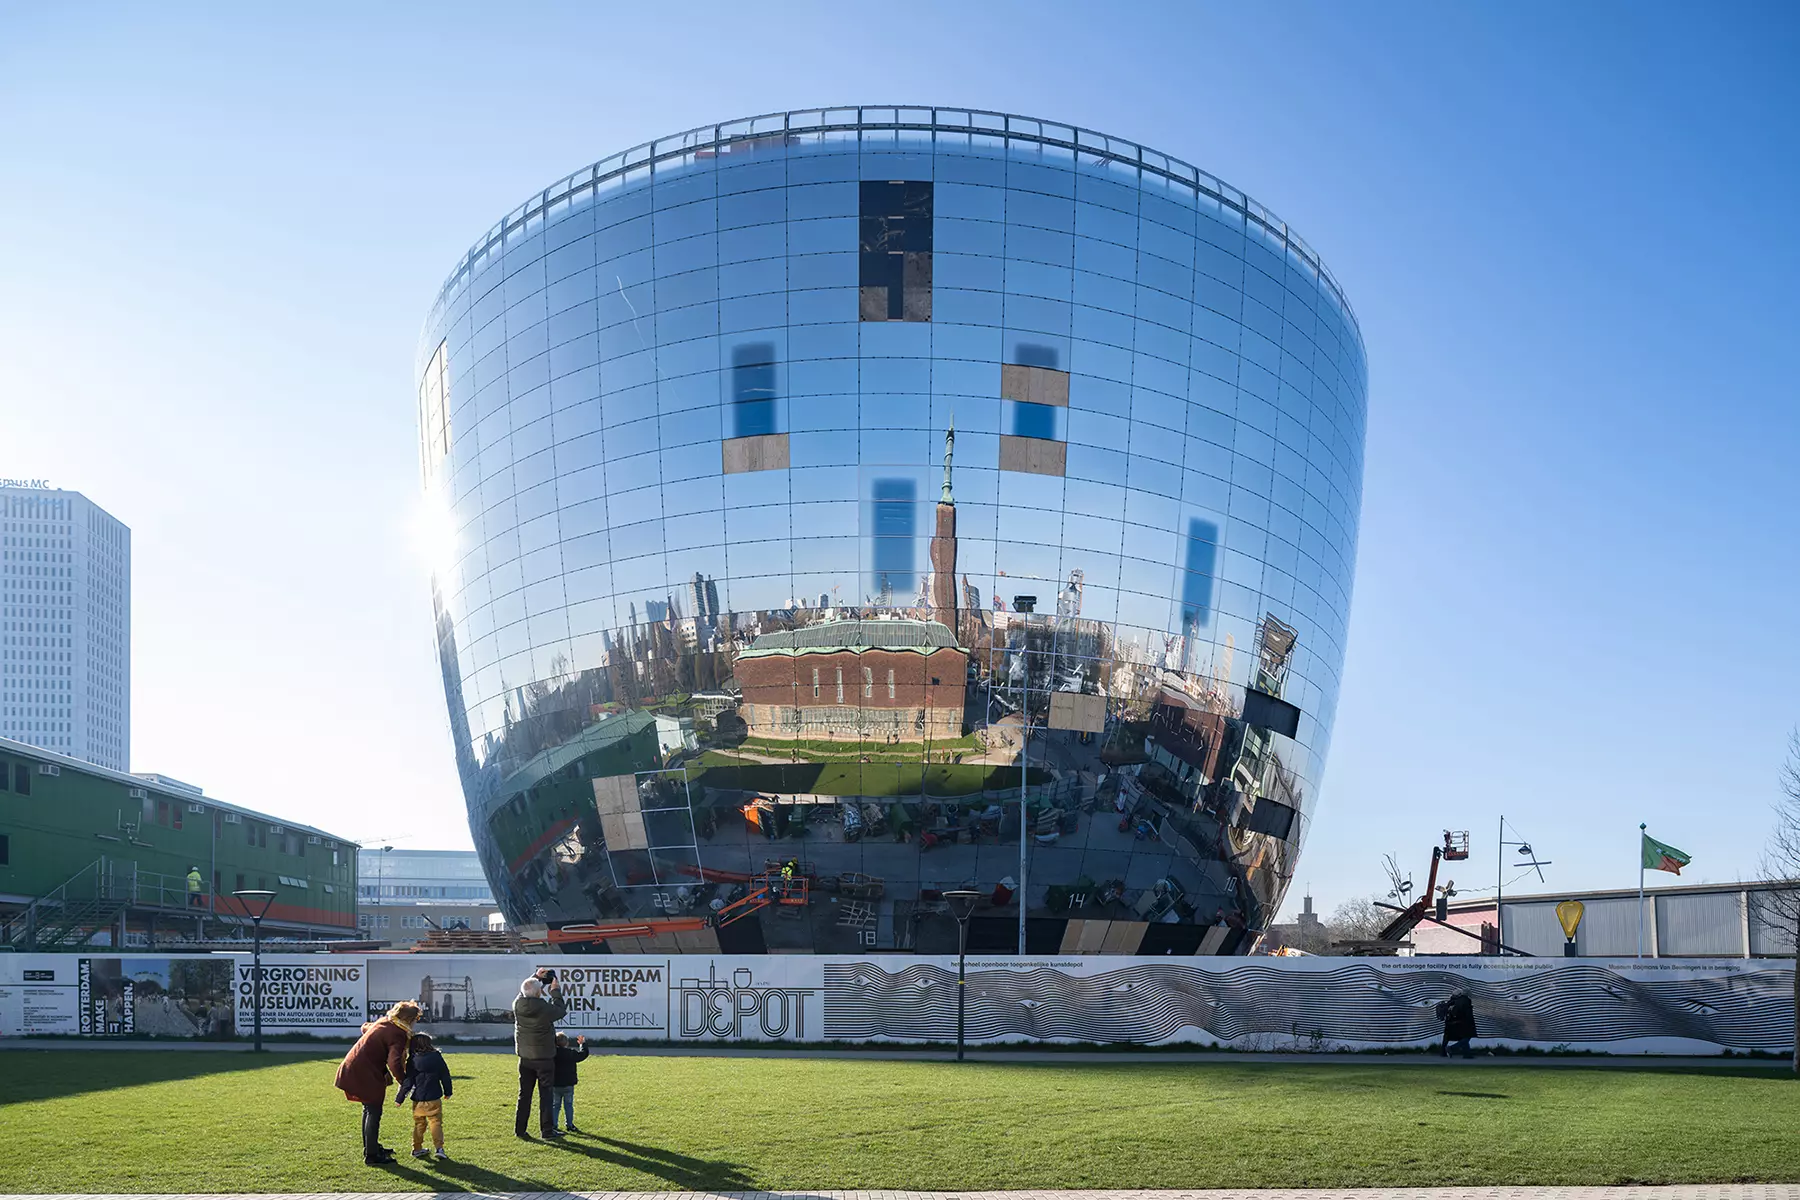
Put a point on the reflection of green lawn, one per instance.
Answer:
(123, 1121)
(830, 748)
(862, 779)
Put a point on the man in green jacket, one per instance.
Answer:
(534, 1040)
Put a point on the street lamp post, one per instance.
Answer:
(264, 898)
(1026, 605)
(1530, 855)
(962, 903)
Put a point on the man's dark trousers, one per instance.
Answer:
(541, 1072)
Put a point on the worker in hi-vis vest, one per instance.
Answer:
(194, 885)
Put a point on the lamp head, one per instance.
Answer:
(258, 897)
(962, 902)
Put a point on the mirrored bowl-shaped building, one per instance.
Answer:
(845, 508)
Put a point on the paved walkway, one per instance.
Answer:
(1728, 1191)
(1149, 1057)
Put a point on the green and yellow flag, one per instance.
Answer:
(1659, 857)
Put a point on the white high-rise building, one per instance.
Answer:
(65, 609)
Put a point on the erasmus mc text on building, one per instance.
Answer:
(810, 483)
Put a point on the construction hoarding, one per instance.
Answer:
(1606, 1005)
(106, 995)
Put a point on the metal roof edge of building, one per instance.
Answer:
(855, 635)
(27, 750)
(797, 651)
(1679, 889)
(64, 491)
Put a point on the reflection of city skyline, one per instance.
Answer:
(855, 663)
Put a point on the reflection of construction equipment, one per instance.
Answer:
(856, 885)
(875, 821)
(1274, 651)
(793, 891)
(1156, 901)
(575, 934)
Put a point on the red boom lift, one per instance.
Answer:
(1454, 849)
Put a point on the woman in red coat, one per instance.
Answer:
(377, 1060)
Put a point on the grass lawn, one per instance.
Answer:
(87, 1121)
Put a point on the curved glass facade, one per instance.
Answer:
(812, 483)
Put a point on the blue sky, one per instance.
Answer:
(1566, 233)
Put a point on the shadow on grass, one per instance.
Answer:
(678, 1170)
(685, 1172)
(454, 1176)
(1477, 1095)
(55, 1074)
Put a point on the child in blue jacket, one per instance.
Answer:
(428, 1082)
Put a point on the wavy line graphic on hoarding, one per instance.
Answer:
(1579, 1003)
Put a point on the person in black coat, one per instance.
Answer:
(427, 1081)
(567, 1076)
(1458, 1015)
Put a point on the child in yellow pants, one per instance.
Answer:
(428, 1082)
(428, 1114)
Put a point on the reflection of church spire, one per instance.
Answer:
(943, 547)
(949, 448)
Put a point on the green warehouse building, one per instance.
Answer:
(91, 856)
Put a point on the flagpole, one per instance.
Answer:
(1641, 828)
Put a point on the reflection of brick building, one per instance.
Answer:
(854, 679)
(1186, 738)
